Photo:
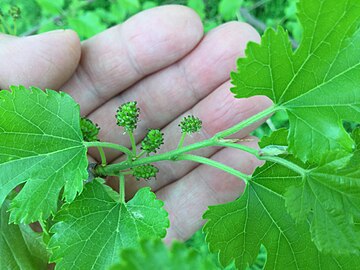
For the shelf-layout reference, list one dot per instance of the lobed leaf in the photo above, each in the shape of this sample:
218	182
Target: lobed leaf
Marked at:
90	231
237	229
40	144
318	84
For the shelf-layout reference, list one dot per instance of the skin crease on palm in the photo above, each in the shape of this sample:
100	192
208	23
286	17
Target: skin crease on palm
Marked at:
162	59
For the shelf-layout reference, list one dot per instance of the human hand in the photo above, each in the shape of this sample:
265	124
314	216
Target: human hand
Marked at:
161	59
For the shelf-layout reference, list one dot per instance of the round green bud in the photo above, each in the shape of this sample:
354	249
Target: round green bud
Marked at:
15	12
153	140
127	116
145	172
190	124
90	131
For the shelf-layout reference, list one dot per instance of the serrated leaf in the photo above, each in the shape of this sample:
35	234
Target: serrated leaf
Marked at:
20	247
40	144
153	254
237	229
90	231
318	85
329	197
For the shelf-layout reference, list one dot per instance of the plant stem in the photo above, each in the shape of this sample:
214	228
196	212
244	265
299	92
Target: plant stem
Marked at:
102	156
15	28
182	139
242	147
122	188
288	164
253	119
215	164
109	145
171	155
141	154
133	143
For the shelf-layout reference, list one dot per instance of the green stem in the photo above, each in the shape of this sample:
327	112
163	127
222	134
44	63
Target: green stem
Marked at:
288	164
216	164
133	143
2	29
141	154
245	148
15	28
109	145
102	155
122	188
171	155
253	119
182	139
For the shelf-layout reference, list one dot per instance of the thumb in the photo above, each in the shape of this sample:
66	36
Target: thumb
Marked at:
47	60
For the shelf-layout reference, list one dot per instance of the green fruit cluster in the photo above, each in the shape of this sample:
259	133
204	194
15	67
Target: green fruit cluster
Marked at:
153	140
145	172
90	131
190	124
127	116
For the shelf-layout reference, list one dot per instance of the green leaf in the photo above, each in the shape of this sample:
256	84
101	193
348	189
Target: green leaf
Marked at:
51	7
90	231
155	255
40	144
318	85
87	24
20	247
198	6
237	229
229	8
329	198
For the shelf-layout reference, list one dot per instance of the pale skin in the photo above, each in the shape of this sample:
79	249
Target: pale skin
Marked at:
161	59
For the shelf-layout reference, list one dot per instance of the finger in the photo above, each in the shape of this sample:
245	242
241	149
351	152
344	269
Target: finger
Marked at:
46	61
171	91
120	56
187	199
218	111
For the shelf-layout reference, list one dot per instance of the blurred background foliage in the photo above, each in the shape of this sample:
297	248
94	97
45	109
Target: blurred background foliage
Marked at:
89	17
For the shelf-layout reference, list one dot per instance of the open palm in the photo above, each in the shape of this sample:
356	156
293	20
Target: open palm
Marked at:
161	59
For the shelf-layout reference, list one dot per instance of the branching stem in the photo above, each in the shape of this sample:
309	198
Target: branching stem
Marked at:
182	139
215	164
102	156
133	143
179	153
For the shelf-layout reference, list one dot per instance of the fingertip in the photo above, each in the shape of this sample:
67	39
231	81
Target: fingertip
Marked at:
46	60
178	30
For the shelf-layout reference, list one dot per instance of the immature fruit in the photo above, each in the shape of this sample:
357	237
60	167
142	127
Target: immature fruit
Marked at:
190	124
15	12
127	116
145	172
89	130
153	140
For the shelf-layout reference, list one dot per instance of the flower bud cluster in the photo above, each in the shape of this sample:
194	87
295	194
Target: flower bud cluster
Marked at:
127	116
145	172
153	140
90	131
190	124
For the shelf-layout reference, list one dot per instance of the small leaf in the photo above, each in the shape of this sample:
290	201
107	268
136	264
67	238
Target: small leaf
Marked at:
155	255
90	231
20	247
40	144
229	8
